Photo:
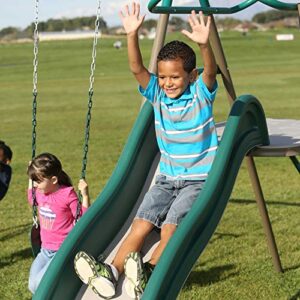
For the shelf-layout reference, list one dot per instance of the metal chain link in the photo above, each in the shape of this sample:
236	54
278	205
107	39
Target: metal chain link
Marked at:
91	91
34	103
35	46
35	76
90	104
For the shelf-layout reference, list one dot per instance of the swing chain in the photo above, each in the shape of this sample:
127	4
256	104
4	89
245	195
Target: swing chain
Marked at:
90	93
35	76
34	105
34	209
34	123
90	104
35	47
94	52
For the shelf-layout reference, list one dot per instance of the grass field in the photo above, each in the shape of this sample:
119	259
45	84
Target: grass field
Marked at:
236	264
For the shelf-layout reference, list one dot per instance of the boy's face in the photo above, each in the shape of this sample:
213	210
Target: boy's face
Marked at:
173	79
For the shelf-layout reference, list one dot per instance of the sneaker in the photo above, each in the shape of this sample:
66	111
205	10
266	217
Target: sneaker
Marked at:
137	274
97	274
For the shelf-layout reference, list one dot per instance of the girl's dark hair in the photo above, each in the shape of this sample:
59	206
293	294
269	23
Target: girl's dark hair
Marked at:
178	50
47	165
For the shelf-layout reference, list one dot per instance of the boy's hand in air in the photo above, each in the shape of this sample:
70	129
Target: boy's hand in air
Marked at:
200	30
132	21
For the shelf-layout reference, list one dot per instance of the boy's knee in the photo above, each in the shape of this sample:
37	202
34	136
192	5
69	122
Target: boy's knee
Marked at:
141	227
167	231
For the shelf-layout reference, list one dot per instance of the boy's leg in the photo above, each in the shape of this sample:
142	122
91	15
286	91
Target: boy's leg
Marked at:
151	212
166	233
133	242
188	192
154	209
102	277
138	272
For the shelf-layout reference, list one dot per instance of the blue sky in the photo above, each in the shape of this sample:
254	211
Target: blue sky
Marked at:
20	13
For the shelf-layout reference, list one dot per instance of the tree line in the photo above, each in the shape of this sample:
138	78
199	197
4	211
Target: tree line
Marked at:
88	23
79	23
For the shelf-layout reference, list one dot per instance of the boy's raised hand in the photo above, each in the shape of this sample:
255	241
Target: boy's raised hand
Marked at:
200	30
132	21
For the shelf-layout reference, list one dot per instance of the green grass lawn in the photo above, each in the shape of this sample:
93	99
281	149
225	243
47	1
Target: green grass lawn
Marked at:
236	263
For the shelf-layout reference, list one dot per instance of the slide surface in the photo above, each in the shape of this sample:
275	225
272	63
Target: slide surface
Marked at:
102	227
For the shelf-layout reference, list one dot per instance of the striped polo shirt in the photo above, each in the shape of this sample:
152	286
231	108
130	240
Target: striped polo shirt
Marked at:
185	129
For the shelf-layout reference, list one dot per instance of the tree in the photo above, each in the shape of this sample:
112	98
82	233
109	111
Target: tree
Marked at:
178	23
148	24
8	31
78	23
228	22
273	15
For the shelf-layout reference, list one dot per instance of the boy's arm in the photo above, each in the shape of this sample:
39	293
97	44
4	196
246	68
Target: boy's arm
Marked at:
210	66
200	34
132	21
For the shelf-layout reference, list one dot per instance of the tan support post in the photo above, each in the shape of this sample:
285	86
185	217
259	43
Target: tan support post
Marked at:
159	40
264	213
221	61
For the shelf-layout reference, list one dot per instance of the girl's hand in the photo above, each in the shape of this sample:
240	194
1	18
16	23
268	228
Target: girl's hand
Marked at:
132	21
83	188
200	30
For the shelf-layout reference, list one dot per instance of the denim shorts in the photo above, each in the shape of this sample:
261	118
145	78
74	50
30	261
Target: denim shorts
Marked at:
168	201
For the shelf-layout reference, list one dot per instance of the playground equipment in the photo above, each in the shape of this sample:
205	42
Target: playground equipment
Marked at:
245	135
35	230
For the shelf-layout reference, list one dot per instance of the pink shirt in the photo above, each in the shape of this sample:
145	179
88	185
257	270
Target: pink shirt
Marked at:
57	212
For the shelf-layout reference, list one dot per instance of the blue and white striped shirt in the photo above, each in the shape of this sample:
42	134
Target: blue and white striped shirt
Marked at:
185	129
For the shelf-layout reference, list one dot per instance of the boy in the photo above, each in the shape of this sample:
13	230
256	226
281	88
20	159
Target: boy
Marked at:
5	169
187	140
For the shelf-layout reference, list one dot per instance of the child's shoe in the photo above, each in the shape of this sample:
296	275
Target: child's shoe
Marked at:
137	274
97	274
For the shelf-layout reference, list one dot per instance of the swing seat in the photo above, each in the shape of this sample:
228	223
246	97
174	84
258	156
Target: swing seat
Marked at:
35	239
5	177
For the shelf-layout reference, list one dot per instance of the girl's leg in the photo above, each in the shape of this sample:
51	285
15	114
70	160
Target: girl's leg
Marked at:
38	268
133	242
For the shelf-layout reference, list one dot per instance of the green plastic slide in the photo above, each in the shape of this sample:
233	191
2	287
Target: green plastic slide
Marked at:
246	128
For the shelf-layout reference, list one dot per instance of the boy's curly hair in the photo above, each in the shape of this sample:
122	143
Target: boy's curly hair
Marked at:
178	50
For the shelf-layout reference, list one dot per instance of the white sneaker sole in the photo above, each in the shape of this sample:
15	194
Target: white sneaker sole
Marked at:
129	288
131	271
132	267
86	271
103	287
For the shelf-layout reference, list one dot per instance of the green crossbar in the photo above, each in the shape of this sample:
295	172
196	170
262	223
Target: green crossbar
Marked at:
167	8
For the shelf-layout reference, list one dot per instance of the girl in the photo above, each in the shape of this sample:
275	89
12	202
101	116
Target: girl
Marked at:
57	205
